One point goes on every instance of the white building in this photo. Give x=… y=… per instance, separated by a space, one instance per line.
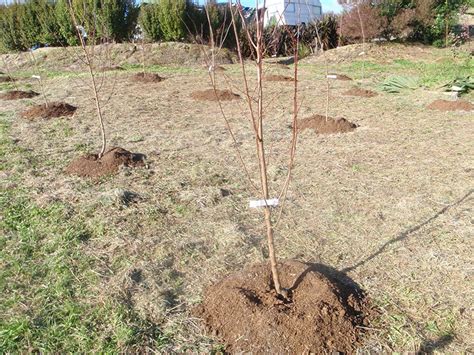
x=291 y=12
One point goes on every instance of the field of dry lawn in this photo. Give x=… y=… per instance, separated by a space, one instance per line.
x=118 y=263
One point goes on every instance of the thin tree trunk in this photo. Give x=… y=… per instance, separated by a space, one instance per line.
x=40 y=79
x=8 y=71
x=93 y=82
x=262 y=160
x=143 y=57
x=446 y=25
x=363 y=38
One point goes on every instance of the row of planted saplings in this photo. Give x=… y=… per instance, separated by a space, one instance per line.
x=305 y=307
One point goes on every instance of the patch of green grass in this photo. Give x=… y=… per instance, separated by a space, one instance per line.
x=136 y=138
x=181 y=210
x=49 y=284
x=135 y=68
x=431 y=74
x=46 y=74
x=82 y=147
x=403 y=62
x=7 y=86
x=7 y=147
x=60 y=128
x=360 y=65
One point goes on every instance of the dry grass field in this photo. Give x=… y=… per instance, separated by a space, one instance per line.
x=118 y=264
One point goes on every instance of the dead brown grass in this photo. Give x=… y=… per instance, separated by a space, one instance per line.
x=168 y=53
x=389 y=204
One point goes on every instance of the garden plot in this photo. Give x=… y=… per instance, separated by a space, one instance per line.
x=388 y=204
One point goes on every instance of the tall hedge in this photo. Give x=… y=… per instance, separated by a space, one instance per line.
x=118 y=18
x=66 y=31
x=41 y=22
x=10 y=28
x=49 y=27
x=171 y=17
x=149 y=21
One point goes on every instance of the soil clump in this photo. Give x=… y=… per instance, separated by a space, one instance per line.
x=52 y=110
x=218 y=95
x=91 y=166
x=325 y=313
x=274 y=77
x=322 y=126
x=147 y=78
x=18 y=94
x=446 y=105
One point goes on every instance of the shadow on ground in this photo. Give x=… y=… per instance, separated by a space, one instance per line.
x=405 y=234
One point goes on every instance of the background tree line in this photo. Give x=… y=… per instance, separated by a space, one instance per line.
x=426 y=21
x=45 y=22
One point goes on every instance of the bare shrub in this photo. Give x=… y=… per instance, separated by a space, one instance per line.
x=362 y=21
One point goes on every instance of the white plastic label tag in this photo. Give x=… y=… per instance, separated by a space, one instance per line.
x=331 y=76
x=36 y=77
x=263 y=203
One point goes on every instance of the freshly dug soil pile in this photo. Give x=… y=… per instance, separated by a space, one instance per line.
x=18 y=94
x=54 y=109
x=360 y=92
x=446 y=105
x=91 y=166
x=323 y=315
x=274 y=77
x=323 y=126
x=210 y=95
x=6 y=79
x=342 y=77
x=147 y=78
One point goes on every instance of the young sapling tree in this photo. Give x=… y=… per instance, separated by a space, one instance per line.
x=255 y=101
x=38 y=76
x=88 y=58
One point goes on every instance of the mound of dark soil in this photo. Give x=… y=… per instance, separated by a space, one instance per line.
x=323 y=126
x=147 y=78
x=54 y=109
x=360 y=92
x=274 y=77
x=18 y=94
x=323 y=314
x=91 y=166
x=6 y=79
x=446 y=105
x=342 y=77
x=210 y=95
